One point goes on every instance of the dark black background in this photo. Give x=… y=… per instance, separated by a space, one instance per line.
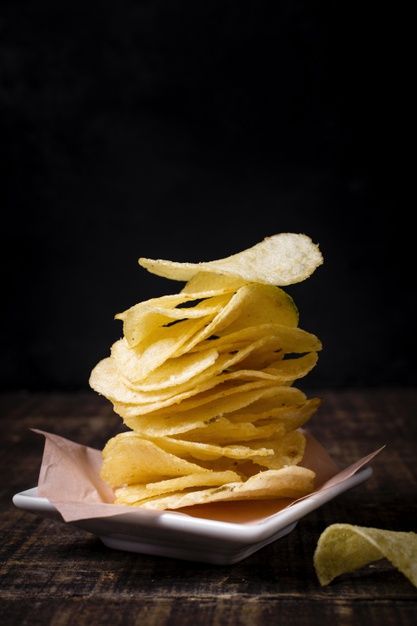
x=190 y=130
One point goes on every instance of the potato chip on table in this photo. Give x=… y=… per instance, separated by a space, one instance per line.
x=343 y=548
x=203 y=378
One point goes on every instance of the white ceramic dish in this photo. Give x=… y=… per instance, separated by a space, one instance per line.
x=196 y=538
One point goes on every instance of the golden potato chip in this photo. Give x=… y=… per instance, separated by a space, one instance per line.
x=182 y=420
x=292 y=369
x=163 y=426
x=250 y=304
x=227 y=394
x=343 y=548
x=165 y=342
x=208 y=451
x=223 y=431
x=133 y=494
x=224 y=318
x=292 y=340
x=202 y=282
x=287 y=450
x=174 y=372
x=105 y=380
x=170 y=373
x=261 y=351
x=130 y=459
x=143 y=318
x=282 y=259
x=161 y=345
x=266 y=304
x=289 y=417
x=288 y=482
x=273 y=398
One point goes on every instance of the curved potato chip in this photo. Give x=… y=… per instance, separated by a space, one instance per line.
x=291 y=339
x=105 y=380
x=143 y=318
x=292 y=369
x=129 y=459
x=260 y=351
x=133 y=494
x=204 y=281
x=178 y=369
x=266 y=304
x=288 y=450
x=174 y=372
x=159 y=346
x=282 y=259
x=223 y=319
x=166 y=342
x=288 y=482
x=197 y=417
x=250 y=304
x=209 y=451
x=223 y=431
x=343 y=548
x=189 y=400
x=273 y=398
x=290 y=417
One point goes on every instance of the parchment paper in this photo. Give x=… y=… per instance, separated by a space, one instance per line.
x=69 y=477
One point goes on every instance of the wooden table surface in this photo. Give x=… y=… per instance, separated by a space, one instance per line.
x=52 y=573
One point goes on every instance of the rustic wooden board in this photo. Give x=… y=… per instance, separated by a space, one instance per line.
x=56 y=574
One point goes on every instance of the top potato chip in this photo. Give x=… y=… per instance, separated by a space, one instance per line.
x=282 y=259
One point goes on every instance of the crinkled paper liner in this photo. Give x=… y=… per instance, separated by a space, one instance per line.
x=70 y=479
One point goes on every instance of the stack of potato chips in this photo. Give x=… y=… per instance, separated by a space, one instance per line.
x=203 y=378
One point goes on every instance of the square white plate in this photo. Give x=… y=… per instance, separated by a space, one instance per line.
x=193 y=535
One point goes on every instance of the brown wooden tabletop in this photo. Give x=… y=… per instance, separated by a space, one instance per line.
x=52 y=573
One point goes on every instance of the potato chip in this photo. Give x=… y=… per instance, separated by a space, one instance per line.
x=188 y=417
x=292 y=340
x=202 y=282
x=224 y=318
x=223 y=431
x=288 y=482
x=174 y=372
x=250 y=304
x=133 y=494
x=129 y=459
x=164 y=342
x=343 y=548
x=143 y=318
x=162 y=426
x=287 y=450
x=120 y=392
x=282 y=259
x=266 y=304
x=168 y=374
x=161 y=345
x=208 y=451
x=292 y=369
x=261 y=352
x=273 y=398
x=105 y=380
x=225 y=395
x=290 y=417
